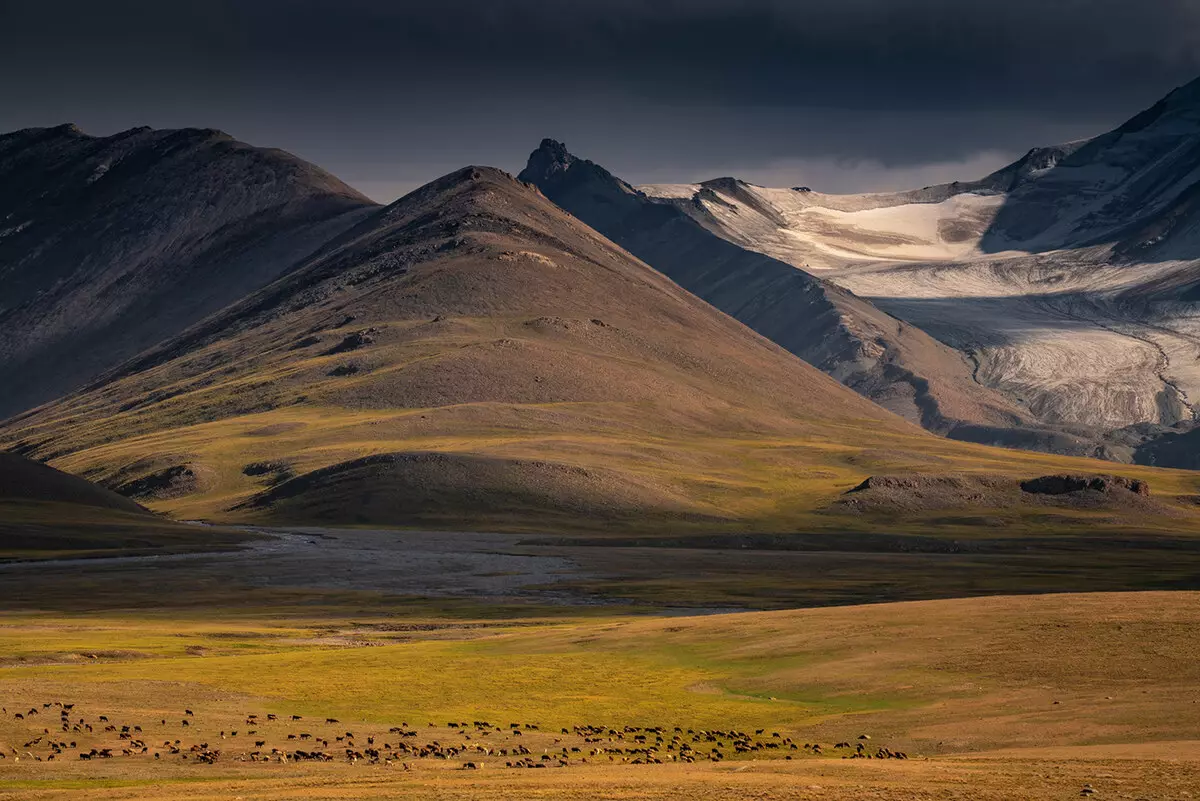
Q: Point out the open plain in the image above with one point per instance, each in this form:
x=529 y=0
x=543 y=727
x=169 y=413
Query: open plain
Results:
x=1045 y=696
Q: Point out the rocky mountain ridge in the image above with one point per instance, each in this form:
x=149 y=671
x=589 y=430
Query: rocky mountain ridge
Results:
x=108 y=245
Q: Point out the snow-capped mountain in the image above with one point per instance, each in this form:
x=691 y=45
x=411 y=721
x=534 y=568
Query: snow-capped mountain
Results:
x=1067 y=280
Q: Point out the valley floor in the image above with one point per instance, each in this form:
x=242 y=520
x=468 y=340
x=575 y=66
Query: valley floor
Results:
x=382 y=571
x=425 y=652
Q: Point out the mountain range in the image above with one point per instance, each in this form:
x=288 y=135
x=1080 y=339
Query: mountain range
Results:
x=224 y=332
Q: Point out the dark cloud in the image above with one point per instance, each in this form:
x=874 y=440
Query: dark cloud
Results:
x=391 y=92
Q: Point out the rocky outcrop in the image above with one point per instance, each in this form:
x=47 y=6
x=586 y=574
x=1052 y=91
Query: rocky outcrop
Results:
x=914 y=493
x=1066 y=484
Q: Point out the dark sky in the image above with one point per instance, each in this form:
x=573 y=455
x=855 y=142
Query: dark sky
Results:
x=842 y=95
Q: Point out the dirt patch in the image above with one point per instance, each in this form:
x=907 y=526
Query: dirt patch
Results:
x=919 y=493
x=306 y=342
x=71 y=658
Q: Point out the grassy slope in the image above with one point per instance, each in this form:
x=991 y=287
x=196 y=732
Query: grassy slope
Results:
x=483 y=299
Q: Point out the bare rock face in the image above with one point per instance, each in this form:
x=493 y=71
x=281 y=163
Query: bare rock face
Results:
x=108 y=245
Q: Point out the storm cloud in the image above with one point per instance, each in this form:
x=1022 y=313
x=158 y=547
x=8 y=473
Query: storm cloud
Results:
x=844 y=95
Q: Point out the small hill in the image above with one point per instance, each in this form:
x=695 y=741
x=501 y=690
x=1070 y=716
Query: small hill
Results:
x=22 y=479
x=48 y=513
x=109 y=245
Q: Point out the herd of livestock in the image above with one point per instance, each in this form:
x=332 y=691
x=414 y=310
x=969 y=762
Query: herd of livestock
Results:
x=57 y=731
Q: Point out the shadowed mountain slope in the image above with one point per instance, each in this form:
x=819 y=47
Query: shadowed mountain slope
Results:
x=22 y=479
x=1134 y=188
x=48 y=513
x=108 y=245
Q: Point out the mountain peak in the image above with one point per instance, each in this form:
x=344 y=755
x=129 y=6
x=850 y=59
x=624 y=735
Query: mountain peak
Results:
x=475 y=173
x=467 y=180
x=552 y=165
x=550 y=159
x=556 y=147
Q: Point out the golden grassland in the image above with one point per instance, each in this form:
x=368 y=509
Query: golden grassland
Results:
x=992 y=698
x=752 y=482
